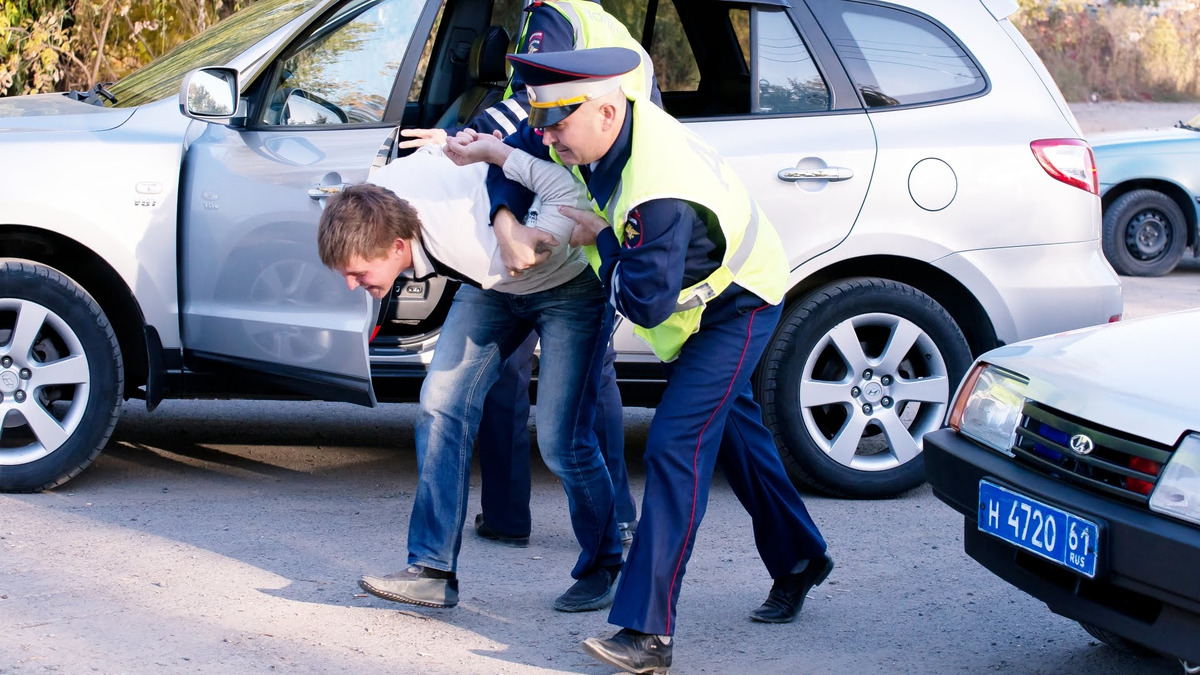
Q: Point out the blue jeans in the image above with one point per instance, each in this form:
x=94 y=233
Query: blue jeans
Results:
x=483 y=329
x=505 y=482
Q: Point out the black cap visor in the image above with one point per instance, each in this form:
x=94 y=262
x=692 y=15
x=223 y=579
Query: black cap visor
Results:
x=544 y=117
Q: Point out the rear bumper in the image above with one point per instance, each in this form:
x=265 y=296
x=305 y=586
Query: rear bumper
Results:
x=1030 y=291
x=1147 y=588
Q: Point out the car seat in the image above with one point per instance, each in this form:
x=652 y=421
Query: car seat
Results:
x=487 y=75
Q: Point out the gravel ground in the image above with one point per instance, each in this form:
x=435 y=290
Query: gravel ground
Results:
x=226 y=537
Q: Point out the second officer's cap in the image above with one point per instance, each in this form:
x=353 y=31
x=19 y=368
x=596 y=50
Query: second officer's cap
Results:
x=560 y=82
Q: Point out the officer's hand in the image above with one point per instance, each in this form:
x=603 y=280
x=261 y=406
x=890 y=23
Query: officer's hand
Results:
x=587 y=225
x=422 y=137
x=521 y=247
x=470 y=146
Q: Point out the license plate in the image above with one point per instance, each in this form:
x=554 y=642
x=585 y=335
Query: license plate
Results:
x=1049 y=532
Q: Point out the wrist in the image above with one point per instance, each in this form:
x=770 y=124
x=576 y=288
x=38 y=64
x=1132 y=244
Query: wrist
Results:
x=499 y=154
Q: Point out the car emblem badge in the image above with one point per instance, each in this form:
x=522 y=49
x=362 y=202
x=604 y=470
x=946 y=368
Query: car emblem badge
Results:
x=8 y=382
x=1082 y=445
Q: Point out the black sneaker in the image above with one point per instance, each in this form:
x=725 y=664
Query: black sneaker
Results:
x=788 y=592
x=482 y=529
x=594 y=591
x=632 y=652
x=416 y=585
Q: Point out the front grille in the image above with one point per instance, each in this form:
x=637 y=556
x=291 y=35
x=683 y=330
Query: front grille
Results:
x=1117 y=466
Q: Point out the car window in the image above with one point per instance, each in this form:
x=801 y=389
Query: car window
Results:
x=674 y=61
x=216 y=46
x=787 y=79
x=344 y=70
x=898 y=58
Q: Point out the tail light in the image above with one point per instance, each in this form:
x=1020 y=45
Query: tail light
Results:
x=1069 y=160
x=1145 y=466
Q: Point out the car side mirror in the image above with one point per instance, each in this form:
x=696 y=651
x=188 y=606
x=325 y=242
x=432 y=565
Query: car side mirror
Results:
x=211 y=95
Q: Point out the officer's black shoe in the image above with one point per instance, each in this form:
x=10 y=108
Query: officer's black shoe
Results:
x=416 y=585
x=626 y=531
x=482 y=529
x=592 y=592
x=632 y=651
x=787 y=593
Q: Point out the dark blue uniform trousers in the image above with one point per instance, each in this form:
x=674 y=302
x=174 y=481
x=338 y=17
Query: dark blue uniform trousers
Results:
x=504 y=444
x=708 y=416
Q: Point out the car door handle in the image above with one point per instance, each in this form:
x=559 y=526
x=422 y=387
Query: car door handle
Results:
x=832 y=174
x=323 y=191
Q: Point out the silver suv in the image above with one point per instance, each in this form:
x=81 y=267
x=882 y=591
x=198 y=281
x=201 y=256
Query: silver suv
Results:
x=157 y=235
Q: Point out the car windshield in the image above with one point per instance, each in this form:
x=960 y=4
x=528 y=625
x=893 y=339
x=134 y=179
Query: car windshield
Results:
x=214 y=47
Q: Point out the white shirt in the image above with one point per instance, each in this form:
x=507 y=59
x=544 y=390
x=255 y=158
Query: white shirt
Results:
x=452 y=204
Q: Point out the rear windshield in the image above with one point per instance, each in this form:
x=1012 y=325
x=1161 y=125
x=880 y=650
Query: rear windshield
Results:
x=216 y=46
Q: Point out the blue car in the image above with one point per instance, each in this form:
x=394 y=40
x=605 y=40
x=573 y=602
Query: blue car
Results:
x=1150 y=190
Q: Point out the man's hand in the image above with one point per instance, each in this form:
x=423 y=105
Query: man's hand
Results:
x=470 y=146
x=587 y=225
x=422 y=137
x=520 y=247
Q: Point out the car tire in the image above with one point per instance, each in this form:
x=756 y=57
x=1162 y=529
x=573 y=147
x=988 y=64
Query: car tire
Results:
x=842 y=430
x=61 y=378
x=1116 y=641
x=1145 y=234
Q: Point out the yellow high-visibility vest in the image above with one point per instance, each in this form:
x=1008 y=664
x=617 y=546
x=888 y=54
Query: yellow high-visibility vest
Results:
x=668 y=161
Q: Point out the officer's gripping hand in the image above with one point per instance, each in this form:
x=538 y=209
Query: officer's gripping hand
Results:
x=587 y=225
x=422 y=137
x=470 y=146
x=520 y=247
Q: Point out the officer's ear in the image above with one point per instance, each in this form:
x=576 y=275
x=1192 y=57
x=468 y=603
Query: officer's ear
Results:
x=611 y=114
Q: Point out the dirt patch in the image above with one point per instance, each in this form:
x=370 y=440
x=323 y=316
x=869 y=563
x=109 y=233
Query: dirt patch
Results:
x=1095 y=118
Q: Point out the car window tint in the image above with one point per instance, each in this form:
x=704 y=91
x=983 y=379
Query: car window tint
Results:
x=788 y=79
x=898 y=58
x=414 y=92
x=343 y=72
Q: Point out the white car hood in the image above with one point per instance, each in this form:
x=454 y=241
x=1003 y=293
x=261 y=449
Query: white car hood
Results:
x=1137 y=377
x=55 y=112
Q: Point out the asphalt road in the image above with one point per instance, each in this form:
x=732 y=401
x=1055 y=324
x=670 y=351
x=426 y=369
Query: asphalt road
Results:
x=226 y=537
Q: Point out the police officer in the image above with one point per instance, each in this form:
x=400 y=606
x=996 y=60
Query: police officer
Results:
x=688 y=257
x=550 y=26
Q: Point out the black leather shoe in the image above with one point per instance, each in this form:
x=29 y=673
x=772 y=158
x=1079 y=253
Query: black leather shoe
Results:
x=788 y=592
x=416 y=585
x=482 y=529
x=632 y=652
x=594 y=591
x=626 y=531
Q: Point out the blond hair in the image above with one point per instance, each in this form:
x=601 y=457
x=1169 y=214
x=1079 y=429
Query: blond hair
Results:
x=363 y=221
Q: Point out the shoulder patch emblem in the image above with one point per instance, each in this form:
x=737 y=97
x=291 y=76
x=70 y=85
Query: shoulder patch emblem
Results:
x=534 y=43
x=633 y=230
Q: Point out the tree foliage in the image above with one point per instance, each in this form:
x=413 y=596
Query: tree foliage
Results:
x=56 y=45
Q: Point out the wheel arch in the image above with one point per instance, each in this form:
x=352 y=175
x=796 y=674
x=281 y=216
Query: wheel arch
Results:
x=99 y=279
x=1172 y=190
x=950 y=293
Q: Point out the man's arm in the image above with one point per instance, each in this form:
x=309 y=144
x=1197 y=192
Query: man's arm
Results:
x=643 y=274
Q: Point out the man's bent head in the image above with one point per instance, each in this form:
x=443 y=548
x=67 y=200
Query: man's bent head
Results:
x=366 y=234
x=588 y=133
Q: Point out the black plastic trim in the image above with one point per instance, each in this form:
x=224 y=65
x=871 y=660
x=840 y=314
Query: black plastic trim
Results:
x=316 y=384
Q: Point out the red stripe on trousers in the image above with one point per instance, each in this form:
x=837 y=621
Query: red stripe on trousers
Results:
x=695 y=461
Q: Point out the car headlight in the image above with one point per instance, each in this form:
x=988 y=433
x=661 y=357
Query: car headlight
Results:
x=1178 y=491
x=988 y=407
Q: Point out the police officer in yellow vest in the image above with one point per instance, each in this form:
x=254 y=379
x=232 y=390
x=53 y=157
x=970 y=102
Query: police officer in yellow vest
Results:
x=549 y=26
x=686 y=255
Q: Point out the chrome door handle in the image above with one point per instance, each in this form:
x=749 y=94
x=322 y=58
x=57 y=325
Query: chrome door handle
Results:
x=323 y=191
x=832 y=174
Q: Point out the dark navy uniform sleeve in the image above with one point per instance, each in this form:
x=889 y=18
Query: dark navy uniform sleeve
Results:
x=666 y=247
x=510 y=194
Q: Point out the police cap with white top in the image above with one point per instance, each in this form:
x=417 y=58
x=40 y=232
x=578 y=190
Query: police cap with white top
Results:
x=559 y=82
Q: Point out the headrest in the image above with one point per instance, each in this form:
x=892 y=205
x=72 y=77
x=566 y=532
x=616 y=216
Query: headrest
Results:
x=487 y=62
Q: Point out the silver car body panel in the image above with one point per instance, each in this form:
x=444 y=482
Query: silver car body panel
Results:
x=1130 y=376
x=57 y=113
